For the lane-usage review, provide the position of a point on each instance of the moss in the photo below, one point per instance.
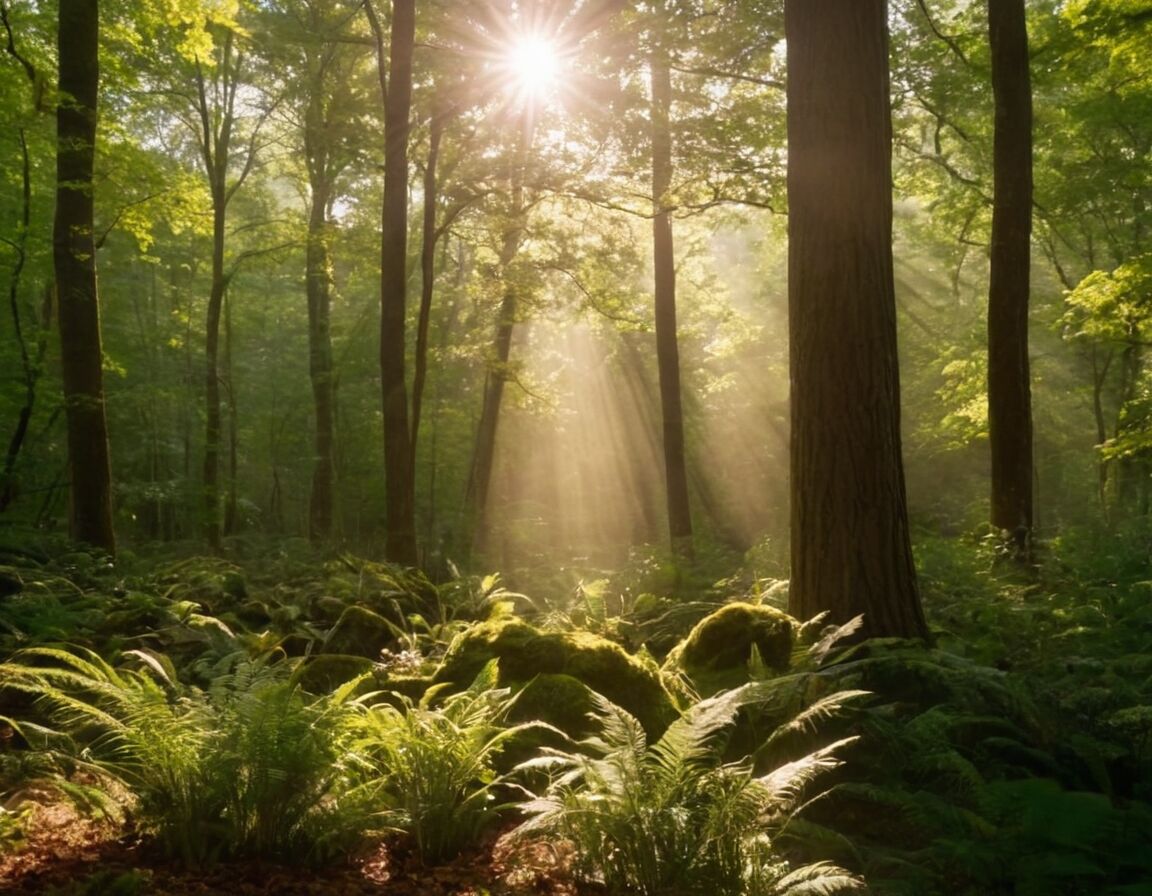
(328, 671)
(560, 700)
(716, 653)
(525, 652)
(359, 632)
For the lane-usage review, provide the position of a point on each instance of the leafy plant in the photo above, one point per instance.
(672, 816)
(248, 767)
(431, 771)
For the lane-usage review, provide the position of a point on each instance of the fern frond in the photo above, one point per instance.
(786, 784)
(819, 879)
(808, 720)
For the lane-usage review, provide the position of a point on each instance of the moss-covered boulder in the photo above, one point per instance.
(716, 653)
(327, 671)
(359, 632)
(525, 652)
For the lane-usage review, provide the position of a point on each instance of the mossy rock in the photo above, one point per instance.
(525, 652)
(560, 700)
(359, 632)
(716, 653)
(327, 671)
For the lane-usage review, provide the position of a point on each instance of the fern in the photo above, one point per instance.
(248, 767)
(672, 816)
(431, 771)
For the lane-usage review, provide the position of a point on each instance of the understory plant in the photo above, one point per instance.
(431, 770)
(673, 816)
(248, 767)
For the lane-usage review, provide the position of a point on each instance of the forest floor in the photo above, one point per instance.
(66, 854)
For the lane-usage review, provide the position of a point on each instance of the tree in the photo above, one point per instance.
(399, 481)
(664, 301)
(74, 254)
(850, 542)
(216, 110)
(325, 102)
(31, 361)
(1009, 387)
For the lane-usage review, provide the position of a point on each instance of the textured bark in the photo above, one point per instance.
(74, 257)
(850, 540)
(399, 485)
(1009, 389)
(664, 300)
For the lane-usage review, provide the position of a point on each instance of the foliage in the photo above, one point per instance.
(672, 816)
(432, 771)
(246, 767)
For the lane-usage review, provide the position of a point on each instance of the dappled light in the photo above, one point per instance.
(574, 447)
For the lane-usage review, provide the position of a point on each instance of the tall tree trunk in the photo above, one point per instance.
(484, 456)
(215, 108)
(850, 540)
(398, 479)
(231, 503)
(427, 276)
(1009, 389)
(318, 285)
(667, 346)
(74, 257)
(30, 365)
(212, 414)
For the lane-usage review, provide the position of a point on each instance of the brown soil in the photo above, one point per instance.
(66, 854)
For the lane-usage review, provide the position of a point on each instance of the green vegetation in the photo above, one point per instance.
(586, 447)
(1012, 757)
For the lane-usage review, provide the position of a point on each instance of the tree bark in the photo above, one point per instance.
(1009, 390)
(850, 543)
(74, 257)
(399, 484)
(664, 300)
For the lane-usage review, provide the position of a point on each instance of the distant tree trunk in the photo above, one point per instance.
(212, 414)
(74, 257)
(318, 279)
(231, 504)
(850, 541)
(427, 275)
(484, 455)
(1009, 390)
(667, 347)
(30, 365)
(215, 108)
(399, 483)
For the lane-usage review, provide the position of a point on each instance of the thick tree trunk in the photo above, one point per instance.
(850, 540)
(667, 346)
(398, 479)
(1009, 389)
(74, 256)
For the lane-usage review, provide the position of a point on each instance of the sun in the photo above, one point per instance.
(533, 65)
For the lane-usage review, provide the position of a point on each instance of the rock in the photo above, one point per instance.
(716, 653)
(525, 652)
(359, 632)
